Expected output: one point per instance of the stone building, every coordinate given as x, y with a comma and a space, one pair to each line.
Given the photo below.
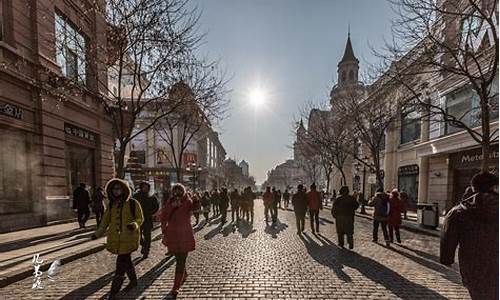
54, 130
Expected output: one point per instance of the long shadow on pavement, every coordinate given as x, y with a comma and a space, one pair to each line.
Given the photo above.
245, 229
276, 229
91, 288
149, 277
449, 274
336, 258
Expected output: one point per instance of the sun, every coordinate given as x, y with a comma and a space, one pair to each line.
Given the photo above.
257, 97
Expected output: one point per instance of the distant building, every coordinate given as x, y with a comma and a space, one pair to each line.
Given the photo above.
244, 168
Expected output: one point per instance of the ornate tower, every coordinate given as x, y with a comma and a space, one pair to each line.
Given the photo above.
347, 69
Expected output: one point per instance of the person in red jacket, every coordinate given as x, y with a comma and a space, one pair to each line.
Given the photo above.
394, 220
175, 218
314, 204
268, 202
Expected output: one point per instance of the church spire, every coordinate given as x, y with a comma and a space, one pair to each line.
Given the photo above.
348, 67
348, 52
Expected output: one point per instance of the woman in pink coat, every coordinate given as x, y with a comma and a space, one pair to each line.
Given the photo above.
394, 221
175, 218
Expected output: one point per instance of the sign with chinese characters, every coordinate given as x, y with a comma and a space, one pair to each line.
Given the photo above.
11, 110
408, 170
79, 132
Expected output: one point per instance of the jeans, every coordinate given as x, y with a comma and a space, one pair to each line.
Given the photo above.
314, 218
235, 211
267, 210
146, 238
300, 218
384, 229
83, 215
393, 229
350, 240
274, 213
124, 265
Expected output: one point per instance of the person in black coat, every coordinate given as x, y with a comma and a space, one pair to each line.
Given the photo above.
81, 201
223, 205
343, 209
98, 204
149, 205
299, 202
274, 207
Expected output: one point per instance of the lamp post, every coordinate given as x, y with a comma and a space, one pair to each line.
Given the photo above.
358, 167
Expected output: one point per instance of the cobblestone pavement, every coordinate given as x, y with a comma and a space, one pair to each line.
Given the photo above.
264, 263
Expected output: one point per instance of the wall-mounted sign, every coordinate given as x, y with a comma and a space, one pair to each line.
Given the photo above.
408, 170
472, 158
11, 110
78, 132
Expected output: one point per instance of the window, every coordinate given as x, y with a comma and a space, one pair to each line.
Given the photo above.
410, 125
14, 172
71, 48
351, 75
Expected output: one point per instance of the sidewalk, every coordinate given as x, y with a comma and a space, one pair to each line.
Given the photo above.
410, 224
66, 242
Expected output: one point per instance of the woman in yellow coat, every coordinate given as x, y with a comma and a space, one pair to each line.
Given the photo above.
123, 221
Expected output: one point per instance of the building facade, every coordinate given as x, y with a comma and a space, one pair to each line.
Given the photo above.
53, 127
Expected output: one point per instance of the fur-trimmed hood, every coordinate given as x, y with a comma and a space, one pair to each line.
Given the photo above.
126, 188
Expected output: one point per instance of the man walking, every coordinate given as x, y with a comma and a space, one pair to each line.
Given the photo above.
235, 205
276, 201
299, 202
472, 226
286, 198
223, 205
314, 204
81, 201
343, 209
149, 205
214, 199
380, 202
268, 202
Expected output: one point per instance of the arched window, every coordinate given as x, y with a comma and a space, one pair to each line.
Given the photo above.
351, 75
343, 76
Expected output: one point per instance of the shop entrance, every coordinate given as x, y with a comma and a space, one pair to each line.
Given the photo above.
80, 163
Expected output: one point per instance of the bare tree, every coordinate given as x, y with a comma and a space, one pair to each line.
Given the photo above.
368, 116
438, 40
199, 100
147, 42
329, 137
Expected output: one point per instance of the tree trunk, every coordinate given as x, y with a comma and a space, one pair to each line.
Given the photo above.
485, 126
120, 161
344, 180
328, 181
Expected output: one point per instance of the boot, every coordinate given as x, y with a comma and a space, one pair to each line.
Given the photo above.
133, 279
177, 283
116, 286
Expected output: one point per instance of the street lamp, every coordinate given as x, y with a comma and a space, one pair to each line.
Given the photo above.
358, 167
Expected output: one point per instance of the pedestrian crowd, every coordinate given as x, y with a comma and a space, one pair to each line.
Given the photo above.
471, 226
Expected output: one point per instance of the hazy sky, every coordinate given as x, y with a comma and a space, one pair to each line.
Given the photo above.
289, 49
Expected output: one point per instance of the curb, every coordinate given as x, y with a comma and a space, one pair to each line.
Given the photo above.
409, 227
28, 271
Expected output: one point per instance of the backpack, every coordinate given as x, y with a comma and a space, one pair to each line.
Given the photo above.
385, 207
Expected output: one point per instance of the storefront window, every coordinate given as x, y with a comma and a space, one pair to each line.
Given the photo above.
410, 126
408, 182
80, 166
14, 175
